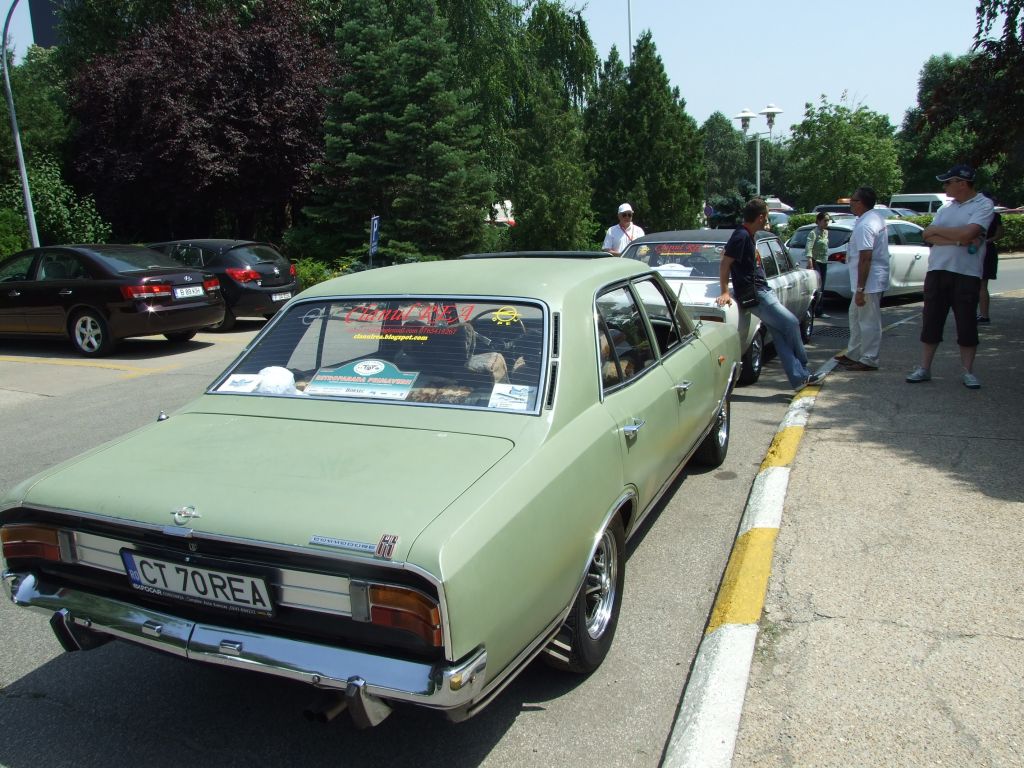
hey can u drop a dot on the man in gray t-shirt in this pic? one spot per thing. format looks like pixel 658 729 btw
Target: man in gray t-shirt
pixel 957 238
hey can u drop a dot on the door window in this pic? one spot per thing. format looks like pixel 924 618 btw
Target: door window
pixel 909 235
pixel 771 269
pixel 59 265
pixel 781 256
pixel 660 312
pixel 625 347
pixel 16 268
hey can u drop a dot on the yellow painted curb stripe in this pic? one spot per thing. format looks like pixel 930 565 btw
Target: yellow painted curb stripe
pixel 134 369
pixel 782 451
pixel 741 596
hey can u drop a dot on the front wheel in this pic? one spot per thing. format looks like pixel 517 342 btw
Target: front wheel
pixel 586 636
pixel 90 334
pixel 752 360
pixel 713 450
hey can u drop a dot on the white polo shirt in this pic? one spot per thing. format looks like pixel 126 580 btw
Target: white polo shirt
pixel 618 239
pixel 955 258
pixel 869 234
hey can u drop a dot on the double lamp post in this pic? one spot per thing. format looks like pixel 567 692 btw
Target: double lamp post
pixel 744 117
pixel 30 214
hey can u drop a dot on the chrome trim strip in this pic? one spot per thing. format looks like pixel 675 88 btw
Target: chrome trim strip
pixel 437 686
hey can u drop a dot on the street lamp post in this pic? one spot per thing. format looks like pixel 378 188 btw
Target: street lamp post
pixel 744 117
pixel 30 214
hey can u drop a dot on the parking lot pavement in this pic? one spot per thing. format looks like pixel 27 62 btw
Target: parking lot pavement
pixel 892 631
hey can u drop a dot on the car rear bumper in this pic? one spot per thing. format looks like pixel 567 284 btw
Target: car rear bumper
pixel 128 321
pixel 257 302
pixel 82 620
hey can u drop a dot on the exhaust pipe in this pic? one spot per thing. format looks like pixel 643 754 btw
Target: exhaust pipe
pixel 327 707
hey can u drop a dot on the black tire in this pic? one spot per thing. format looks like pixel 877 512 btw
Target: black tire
pixel 180 336
pixel 752 360
pixel 589 628
pixel 227 323
pixel 713 450
pixel 90 334
pixel 807 324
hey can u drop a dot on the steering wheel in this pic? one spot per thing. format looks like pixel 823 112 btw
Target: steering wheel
pixel 501 336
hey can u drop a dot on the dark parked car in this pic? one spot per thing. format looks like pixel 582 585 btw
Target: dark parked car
pixel 97 294
pixel 255 279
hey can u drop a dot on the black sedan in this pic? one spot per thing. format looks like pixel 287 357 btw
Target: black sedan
pixel 255 279
pixel 97 294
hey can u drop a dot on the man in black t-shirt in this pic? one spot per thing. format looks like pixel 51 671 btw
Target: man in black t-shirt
pixel 739 262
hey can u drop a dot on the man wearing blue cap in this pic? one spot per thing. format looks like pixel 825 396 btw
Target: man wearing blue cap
pixel 957 238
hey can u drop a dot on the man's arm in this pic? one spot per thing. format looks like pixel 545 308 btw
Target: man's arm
pixel 952 235
pixel 863 273
pixel 608 246
pixel 724 269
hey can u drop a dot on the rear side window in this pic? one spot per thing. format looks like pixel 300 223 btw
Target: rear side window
pixel 624 346
pixel 771 269
pixel 838 237
pixel 910 235
pixel 799 238
pixel 135 260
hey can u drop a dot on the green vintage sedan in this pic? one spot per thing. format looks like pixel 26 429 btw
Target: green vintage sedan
pixel 461 450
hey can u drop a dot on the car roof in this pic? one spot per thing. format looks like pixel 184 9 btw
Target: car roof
pixel 550 277
pixel 220 245
pixel 696 235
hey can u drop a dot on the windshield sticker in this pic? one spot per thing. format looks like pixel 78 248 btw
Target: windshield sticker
pixel 678 249
pixel 431 313
pixel 240 382
pixel 363 378
pixel 505 316
pixel 510 397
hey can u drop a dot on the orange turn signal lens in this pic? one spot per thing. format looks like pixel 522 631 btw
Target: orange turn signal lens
pixel 24 540
pixel 407 609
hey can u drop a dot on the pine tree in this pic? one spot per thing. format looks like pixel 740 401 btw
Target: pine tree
pixel 401 140
pixel 606 137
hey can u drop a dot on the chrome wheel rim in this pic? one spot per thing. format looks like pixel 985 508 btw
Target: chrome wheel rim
pixel 599 588
pixel 755 353
pixel 88 333
pixel 723 424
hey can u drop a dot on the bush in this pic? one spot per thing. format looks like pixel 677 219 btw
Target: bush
pixel 13 232
pixel 313 271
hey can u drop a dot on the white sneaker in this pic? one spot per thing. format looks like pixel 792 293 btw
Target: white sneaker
pixel 920 374
pixel 971 381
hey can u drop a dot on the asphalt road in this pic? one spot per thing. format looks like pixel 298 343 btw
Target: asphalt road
pixel 120 704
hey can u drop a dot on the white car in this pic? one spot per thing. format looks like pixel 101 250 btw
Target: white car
pixel 689 261
pixel 908 256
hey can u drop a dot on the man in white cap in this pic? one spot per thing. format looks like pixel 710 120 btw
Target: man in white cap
pixel 620 235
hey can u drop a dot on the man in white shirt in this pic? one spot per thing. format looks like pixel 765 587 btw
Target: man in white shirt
pixel 953 281
pixel 620 235
pixel 867 260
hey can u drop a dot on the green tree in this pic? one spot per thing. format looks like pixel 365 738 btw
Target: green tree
pixel 606 137
pixel 40 103
pixel 837 148
pixel 402 141
pixel 725 155
pixel 61 215
pixel 665 158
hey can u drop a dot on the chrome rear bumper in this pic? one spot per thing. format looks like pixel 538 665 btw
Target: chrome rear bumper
pixel 76 615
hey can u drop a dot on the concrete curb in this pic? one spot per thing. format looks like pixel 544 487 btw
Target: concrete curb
pixel 704 734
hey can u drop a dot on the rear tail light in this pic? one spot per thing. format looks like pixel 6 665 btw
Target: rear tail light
pixel 244 275
pixel 38 541
pixel 213 284
pixel 146 291
pixel 407 609
pixel 839 256
pixel 291 270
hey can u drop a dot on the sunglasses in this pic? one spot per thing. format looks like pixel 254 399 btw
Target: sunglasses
pixel 626 215
pixel 950 181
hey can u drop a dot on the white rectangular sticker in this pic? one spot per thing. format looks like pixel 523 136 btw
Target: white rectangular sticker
pixel 510 397
pixel 188 292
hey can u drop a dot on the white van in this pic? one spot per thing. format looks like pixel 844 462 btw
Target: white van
pixel 927 202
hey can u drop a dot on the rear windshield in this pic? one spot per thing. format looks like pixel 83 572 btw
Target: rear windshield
pixel 681 259
pixel 257 254
pixel 441 351
pixel 137 259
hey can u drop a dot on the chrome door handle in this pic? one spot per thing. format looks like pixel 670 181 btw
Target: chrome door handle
pixel 683 386
pixel 65 292
pixel 13 293
pixel 630 430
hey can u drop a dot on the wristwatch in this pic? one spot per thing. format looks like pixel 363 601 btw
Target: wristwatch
pixel 860 290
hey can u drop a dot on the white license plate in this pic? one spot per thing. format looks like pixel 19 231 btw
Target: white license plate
pixel 190 291
pixel 280 296
pixel 238 592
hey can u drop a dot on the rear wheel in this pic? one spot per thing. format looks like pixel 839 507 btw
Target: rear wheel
pixel 586 636
pixel 90 334
pixel 713 450
pixel 227 323
pixel 180 336
pixel 752 360
pixel 807 324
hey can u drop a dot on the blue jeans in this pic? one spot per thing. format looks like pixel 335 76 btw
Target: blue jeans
pixel 785 330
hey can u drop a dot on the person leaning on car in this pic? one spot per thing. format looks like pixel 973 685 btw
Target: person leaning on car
pixel 739 261
pixel 817 254
pixel 953 280
pixel 620 235
pixel 867 256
